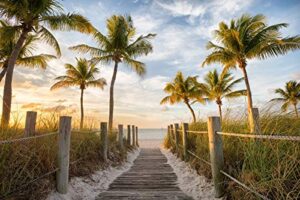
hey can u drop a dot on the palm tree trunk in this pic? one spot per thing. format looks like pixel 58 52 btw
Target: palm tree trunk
pixel 4 70
pixel 249 94
pixel 192 111
pixel 7 92
pixel 253 123
pixel 220 111
pixel 111 97
pixel 81 109
pixel 296 110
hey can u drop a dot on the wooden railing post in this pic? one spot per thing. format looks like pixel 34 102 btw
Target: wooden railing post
pixel 128 135
pixel 120 137
pixel 185 127
pixel 176 130
pixel 133 135
pixel 104 140
pixel 137 136
pixel 254 121
pixel 171 133
pixel 216 154
pixel 63 156
pixel 30 123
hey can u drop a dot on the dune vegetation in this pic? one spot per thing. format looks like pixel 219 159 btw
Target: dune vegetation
pixel 270 167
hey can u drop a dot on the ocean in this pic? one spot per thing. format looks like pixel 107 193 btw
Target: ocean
pixel 152 134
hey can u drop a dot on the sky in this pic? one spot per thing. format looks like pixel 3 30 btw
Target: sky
pixel 183 28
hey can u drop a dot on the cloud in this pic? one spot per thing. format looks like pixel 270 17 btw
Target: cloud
pixel 60 108
pixel 31 105
pixel 183 8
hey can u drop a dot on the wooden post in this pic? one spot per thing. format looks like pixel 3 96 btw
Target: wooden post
pixel 176 130
pixel 128 135
pixel 185 127
pixel 216 154
pixel 137 136
pixel 254 121
pixel 120 138
pixel 30 123
pixel 171 133
pixel 63 155
pixel 104 140
pixel 133 135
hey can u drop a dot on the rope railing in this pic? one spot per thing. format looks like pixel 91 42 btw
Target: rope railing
pixel 63 151
pixel 243 185
pixel 27 138
pixel 197 132
pixel 272 137
pixel 203 160
pixel 216 151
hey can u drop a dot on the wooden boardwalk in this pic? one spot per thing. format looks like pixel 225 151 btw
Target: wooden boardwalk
pixel 150 177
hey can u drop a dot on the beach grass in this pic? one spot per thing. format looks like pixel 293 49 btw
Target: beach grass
pixel 23 162
pixel 270 167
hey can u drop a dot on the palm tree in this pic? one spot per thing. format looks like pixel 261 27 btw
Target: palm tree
pixel 246 38
pixel 33 16
pixel 290 95
pixel 219 86
pixel 83 76
pixel 183 90
pixel 119 46
pixel 26 57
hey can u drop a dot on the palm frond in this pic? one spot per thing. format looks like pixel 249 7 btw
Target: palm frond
pixel 135 65
pixel 93 51
pixel 37 61
pixel 47 37
pixel 68 22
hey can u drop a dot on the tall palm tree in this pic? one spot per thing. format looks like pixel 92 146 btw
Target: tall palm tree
pixel 26 57
pixel 33 16
pixel 183 90
pixel 219 86
pixel 290 95
pixel 246 38
pixel 119 46
pixel 83 76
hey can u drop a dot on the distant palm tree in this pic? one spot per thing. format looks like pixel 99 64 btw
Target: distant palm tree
pixel 26 57
pixel 81 75
pixel 183 90
pixel 246 38
pixel 32 16
pixel 119 46
pixel 290 95
pixel 218 86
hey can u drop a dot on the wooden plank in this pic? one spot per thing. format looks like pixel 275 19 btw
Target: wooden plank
pixel 150 178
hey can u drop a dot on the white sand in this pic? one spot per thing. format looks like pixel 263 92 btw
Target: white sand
pixel 189 181
pixel 87 188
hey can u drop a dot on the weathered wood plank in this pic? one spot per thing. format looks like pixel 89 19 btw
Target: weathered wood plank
pixel 150 178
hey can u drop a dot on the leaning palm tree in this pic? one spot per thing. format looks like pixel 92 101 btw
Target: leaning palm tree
pixel 290 95
pixel 26 57
pixel 33 16
pixel 219 86
pixel 244 39
pixel 183 90
pixel 82 75
pixel 119 46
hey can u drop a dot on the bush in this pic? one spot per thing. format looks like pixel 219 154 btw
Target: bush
pixel 270 167
pixel 23 162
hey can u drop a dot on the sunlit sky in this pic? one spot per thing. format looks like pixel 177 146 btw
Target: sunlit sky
pixel 183 29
